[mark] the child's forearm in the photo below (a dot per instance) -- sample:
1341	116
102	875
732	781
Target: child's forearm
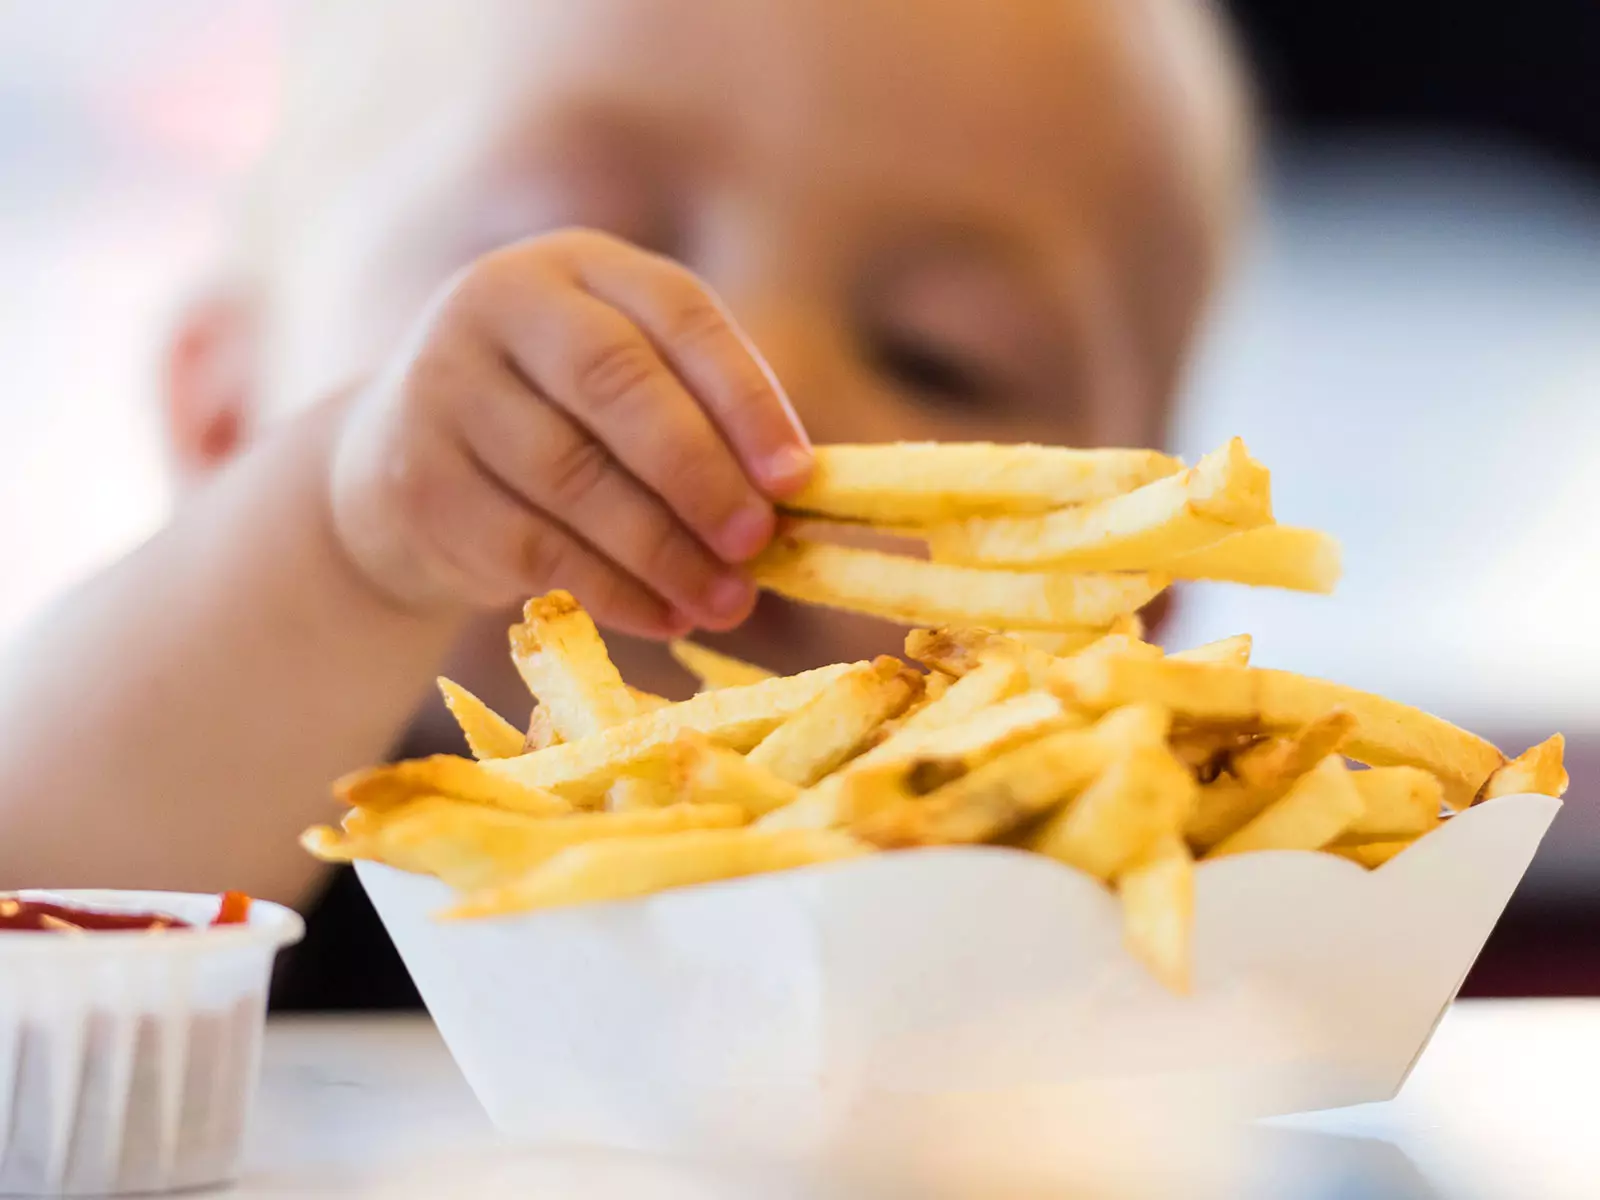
176	721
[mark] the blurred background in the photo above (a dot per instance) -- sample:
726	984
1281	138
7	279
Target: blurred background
1413	343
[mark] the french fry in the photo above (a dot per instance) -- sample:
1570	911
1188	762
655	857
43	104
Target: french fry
582	770
1157	894
1015	787
911	483
1229	652
844	799
647	701
992	731
488	734
711	774
1208	752
559	654
379	788
837	722
1370	855
1276	556
969	695
636	793
622	868
1061	642
1136	801
1271	765
1539	770
1398	804
714	669
1387	733
469	846
952	748
1260	775
541	732
959	650
1226	492
925	593
1321	805
1117	643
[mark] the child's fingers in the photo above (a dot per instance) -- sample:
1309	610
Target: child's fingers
503	551
553	465
698	338
596	365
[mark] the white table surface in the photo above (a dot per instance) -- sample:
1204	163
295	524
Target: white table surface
1506	1103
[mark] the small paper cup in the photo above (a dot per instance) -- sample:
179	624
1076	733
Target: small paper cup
128	1059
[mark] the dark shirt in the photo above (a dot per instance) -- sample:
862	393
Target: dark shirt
346	960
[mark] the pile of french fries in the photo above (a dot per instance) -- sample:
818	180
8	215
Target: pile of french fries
1035	716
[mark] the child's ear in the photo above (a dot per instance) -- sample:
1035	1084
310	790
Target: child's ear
210	395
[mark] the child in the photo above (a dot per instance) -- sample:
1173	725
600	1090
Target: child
740	224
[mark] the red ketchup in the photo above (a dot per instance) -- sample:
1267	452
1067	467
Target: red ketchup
45	916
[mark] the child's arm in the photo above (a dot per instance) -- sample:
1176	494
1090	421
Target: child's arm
574	413
177	720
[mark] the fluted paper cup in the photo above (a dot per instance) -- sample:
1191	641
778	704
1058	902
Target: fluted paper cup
128	1059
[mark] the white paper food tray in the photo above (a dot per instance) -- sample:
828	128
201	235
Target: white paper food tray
963	993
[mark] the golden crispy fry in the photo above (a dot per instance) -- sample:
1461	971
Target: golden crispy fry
843	799
488	734
636	793
1398	804
1226	492
967	696
470	846
1539	770
1387	733
1279	556
958	650
1272	764
1321	805
624	868
1229	652
1207	752
1260	774
837	723
1157	893
379	788
994	730
648	701
1370	855
735	717
909	483
1015	787
1059	642
561	658
541	732
925	593
714	669
1118	643
943	749
706	773
1138	800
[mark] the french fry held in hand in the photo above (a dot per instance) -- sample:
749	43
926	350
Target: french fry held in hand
1037	718
916	592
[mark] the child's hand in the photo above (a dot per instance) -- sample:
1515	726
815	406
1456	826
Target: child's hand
575	413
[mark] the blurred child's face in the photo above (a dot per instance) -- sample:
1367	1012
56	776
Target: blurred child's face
952	219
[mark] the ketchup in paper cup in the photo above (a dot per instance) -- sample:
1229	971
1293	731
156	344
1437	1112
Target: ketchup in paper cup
130	1032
